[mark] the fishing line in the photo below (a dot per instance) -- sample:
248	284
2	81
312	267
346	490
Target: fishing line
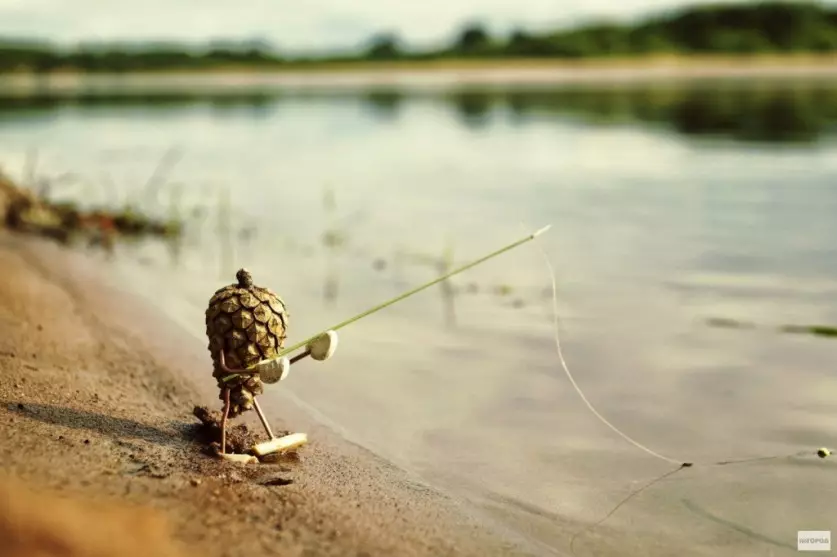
569	374
681	464
620	505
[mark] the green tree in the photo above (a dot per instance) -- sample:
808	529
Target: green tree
384	47
522	43
823	39
473	39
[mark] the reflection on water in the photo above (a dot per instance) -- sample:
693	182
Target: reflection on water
743	112
750	111
655	237
384	104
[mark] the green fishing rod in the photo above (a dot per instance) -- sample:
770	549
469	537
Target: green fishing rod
396	299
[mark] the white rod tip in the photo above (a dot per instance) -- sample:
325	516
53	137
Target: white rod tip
541	231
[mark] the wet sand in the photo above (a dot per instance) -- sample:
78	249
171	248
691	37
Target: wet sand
97	403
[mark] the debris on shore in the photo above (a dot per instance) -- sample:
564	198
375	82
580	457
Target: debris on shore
23	211
825	331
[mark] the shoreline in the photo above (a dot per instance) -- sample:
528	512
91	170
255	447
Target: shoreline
98	382
454	63
533	72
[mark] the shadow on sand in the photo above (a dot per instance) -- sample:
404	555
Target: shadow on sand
118	428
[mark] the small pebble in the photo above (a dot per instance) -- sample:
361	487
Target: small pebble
195	482
87	441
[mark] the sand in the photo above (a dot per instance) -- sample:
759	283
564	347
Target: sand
74	526
97	396
419	75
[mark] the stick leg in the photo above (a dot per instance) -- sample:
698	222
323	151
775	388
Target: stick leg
263	418
224	421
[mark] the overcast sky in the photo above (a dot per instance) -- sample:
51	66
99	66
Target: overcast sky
301	24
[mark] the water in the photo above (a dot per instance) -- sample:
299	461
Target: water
670	205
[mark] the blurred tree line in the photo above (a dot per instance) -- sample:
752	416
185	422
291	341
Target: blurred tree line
745	28
40	57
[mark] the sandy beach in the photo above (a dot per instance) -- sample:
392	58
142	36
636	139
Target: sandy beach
97	406
424	75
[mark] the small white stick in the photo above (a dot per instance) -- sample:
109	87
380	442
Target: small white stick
281	444
239	458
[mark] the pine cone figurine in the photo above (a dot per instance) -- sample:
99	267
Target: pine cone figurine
248	323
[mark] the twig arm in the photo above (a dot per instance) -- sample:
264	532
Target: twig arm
231	370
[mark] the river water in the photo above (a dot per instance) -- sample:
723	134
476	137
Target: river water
671	205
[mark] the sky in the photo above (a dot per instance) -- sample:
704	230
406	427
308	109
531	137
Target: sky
306	25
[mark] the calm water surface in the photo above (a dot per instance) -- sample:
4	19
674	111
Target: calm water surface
669	206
